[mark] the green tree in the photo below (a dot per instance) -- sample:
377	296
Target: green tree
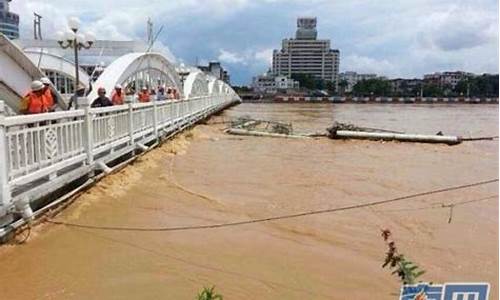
342	86
485	85
375	87
306	80
432	90
462	87
330	87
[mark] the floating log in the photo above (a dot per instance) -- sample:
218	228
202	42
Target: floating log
237	131
385	136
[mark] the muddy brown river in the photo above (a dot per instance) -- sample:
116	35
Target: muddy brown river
205	177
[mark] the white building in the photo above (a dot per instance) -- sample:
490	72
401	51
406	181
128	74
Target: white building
270	84
352	78
444	79
305	54
215	69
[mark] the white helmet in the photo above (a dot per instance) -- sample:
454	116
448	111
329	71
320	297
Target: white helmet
118	86
144	88
36	85
45	80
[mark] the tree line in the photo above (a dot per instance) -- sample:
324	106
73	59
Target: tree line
478	86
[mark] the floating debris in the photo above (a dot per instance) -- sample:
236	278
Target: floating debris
349	131
250	124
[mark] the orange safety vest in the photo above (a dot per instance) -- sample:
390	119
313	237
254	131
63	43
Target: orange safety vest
34	104
49	100
117	99
144	96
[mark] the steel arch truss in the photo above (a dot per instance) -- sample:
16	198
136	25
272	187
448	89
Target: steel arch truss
136	70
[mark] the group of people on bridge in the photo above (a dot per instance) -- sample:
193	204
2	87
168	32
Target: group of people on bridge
143	96
42	99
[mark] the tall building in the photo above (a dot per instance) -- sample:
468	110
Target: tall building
305	54
215	69
9	22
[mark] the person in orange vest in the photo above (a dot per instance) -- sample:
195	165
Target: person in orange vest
50	96
144	95
170	96
117	97
35	101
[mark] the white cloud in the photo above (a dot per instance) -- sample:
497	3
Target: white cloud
364	64
405	38
259	57
265	55
231	57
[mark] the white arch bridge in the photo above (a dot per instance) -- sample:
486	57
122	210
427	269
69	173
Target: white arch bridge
42	156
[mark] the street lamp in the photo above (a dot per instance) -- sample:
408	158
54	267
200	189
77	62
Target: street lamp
183	72
75	40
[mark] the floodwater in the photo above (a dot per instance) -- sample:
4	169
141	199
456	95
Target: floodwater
205	177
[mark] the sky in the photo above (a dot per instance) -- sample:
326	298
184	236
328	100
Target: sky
406	38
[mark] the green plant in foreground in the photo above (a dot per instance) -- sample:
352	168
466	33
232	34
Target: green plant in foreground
209	294
407	271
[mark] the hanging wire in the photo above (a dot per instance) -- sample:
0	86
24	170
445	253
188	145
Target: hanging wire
274	218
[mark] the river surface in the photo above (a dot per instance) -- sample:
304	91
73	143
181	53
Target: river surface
206	177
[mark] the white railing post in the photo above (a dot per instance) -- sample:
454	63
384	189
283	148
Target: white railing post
155	119
88	127
129	101
5	196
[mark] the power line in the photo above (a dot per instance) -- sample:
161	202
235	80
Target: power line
274	218
441	205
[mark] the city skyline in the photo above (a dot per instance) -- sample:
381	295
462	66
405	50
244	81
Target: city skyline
394	40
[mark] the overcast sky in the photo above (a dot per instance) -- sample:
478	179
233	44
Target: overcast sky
392	38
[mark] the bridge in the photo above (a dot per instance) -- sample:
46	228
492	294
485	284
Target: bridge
44	155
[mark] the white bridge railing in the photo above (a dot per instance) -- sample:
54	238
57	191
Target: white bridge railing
42	153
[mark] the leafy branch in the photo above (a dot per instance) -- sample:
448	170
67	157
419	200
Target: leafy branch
407	271
209	294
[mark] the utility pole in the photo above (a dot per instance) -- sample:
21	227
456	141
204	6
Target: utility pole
37	26
149	31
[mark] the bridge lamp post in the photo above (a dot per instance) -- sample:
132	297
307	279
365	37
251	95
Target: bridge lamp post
77	41
183	73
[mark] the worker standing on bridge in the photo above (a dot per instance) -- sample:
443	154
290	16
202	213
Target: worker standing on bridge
144	95
102	100
50	96
80	92
175	93
160	95
118	96
35	101
169	93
